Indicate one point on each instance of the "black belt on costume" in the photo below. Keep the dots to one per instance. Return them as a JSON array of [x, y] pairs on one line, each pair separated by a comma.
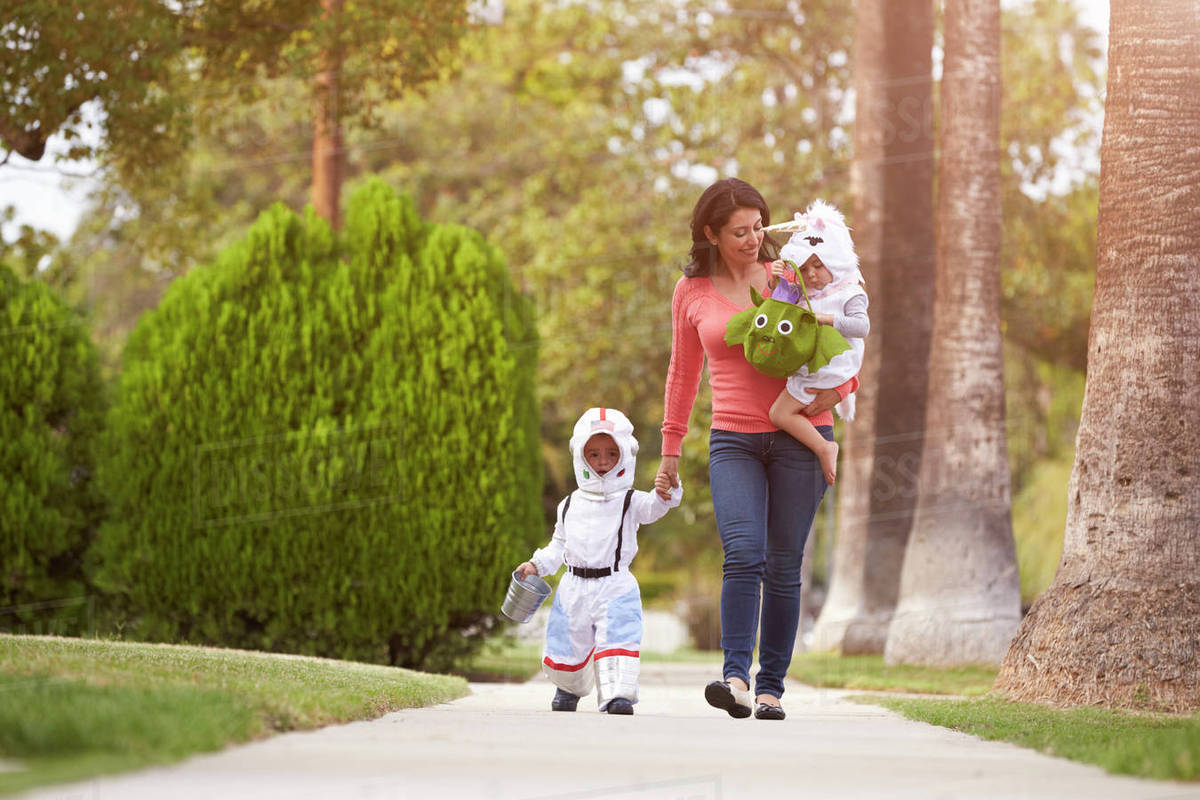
[[591, 572]]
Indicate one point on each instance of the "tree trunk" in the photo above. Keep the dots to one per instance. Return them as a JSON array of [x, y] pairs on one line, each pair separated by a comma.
[[959, 588], [1120, 624], [327, 130], [893, 220]]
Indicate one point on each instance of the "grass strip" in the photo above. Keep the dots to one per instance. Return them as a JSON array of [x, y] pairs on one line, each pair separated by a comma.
[[869, 673], [1166, 747], [73, 708]]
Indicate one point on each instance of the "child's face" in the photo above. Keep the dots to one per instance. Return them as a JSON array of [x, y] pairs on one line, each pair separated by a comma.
[[601, 453], [815, 274]]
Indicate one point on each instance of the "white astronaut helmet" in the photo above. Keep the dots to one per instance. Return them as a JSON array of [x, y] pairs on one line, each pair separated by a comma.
[[612, 423], [822, 231]]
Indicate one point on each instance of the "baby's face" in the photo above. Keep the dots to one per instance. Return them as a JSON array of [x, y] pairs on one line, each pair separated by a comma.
[[815, 274], [601, 453]]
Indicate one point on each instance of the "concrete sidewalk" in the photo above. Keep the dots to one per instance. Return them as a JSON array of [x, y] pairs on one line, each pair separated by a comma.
[[503, 742]]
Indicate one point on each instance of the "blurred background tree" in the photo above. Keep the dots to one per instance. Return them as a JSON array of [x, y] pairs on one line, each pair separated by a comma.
[[51, 405], [162, 72]]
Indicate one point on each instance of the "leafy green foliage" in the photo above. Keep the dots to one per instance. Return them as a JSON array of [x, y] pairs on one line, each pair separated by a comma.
[[327, 445], [51, 407], [1042, 405], [1050, 266], [1053, 82], [160, 71], [1039, 520], [30, 252], [57, 56]]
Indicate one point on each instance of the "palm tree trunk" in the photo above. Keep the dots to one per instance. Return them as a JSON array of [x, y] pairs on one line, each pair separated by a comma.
[[893, 177], [327, 130], [1120, 624], [959, 589]]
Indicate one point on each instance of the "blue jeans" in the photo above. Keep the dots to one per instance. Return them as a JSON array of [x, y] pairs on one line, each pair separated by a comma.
[[765, 491]]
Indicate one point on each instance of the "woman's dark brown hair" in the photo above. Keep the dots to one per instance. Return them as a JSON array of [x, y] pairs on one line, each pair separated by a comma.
[[714, 208]]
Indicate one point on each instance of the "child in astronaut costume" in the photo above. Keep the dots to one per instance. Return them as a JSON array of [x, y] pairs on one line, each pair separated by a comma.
[[823, 253], [596, 618]]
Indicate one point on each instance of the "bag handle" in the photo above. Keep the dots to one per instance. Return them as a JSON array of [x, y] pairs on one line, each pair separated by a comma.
[[796, 272]]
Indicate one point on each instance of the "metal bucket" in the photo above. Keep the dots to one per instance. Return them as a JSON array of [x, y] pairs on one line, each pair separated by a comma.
[[525, 596]]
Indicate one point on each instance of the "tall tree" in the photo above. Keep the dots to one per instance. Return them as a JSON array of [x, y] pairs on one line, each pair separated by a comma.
[[959, 588], [893, 218], [156, 68], [57, 56], [352, 56], [1120, 624], [327, 153]]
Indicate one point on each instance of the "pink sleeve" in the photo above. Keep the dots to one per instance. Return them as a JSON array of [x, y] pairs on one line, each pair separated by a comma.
[[683, 375]]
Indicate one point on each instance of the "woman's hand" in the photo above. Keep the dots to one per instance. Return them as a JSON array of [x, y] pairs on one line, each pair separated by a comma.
[[669, 469], [825, 400], [526, 569]]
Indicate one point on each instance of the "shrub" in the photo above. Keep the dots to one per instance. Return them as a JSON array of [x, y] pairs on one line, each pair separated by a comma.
[[50, 413], [327, 444]]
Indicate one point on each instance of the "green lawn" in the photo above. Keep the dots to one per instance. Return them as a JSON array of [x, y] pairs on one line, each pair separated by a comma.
[[870, 673], [1149, 746], [72, 708]]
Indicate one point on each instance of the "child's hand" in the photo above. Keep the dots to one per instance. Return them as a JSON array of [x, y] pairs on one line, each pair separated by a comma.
[[825, 319], [527, 569], [662, 485]]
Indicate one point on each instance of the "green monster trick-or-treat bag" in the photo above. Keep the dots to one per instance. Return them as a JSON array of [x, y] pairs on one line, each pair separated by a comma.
[[779, 337]]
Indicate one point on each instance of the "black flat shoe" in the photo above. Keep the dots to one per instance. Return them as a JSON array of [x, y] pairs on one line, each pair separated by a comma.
[[619, 705], [720, 694], [768, 711], [564, 701]]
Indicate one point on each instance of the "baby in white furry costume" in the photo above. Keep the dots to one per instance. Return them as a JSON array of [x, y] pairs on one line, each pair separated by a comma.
[[822, 253]]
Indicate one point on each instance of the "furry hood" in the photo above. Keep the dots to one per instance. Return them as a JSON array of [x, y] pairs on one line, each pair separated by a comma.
[[822, 231]]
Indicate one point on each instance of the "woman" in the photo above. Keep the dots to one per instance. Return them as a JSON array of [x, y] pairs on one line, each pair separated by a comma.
[[766, 486]]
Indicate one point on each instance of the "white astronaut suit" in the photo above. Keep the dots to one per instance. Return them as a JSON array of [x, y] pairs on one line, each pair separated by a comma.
[[595, 629]]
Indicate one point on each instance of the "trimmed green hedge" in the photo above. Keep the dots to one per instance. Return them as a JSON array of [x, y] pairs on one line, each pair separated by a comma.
[[327, 444], [50, 413]]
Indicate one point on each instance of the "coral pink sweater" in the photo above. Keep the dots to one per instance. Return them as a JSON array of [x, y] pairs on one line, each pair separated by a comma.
[[742, 396]]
